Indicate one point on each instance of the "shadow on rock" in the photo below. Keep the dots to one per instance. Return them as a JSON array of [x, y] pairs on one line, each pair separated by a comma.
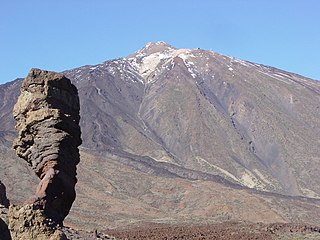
[[5, 234]]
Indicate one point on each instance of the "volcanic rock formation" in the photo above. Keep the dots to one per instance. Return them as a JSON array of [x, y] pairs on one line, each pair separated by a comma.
[[47, 115]]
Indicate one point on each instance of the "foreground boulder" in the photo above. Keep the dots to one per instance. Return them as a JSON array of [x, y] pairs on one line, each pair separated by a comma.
[[28, 222], [47, 121]]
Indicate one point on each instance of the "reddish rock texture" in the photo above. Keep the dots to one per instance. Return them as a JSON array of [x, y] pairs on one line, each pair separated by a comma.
[[219, 231], [47, 121]]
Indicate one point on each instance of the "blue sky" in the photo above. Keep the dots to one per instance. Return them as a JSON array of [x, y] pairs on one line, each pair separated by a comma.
[[64, 34]]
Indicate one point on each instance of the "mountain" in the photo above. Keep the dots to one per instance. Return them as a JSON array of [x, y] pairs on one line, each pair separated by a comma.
[[185, 135]]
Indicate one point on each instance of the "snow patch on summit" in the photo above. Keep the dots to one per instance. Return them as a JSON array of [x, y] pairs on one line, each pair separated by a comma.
[[149, 63], [189, 64], [146, 65]]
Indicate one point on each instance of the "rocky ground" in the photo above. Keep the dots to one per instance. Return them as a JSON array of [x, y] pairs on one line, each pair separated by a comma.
[[80, 234], [224, 231]]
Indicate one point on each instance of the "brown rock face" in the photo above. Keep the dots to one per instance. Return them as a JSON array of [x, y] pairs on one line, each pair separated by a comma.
[[47, 121]]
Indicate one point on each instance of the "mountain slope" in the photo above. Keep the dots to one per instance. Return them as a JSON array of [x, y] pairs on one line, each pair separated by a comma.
[[251, 124], [168, 130]]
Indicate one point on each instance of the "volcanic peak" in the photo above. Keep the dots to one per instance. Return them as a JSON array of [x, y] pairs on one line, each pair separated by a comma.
[[155, 57]]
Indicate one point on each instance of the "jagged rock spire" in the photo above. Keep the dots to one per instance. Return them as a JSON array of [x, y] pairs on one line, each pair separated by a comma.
[[47, 115]]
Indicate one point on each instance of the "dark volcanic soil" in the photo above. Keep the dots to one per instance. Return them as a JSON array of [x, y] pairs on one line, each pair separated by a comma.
[[223, 231]]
